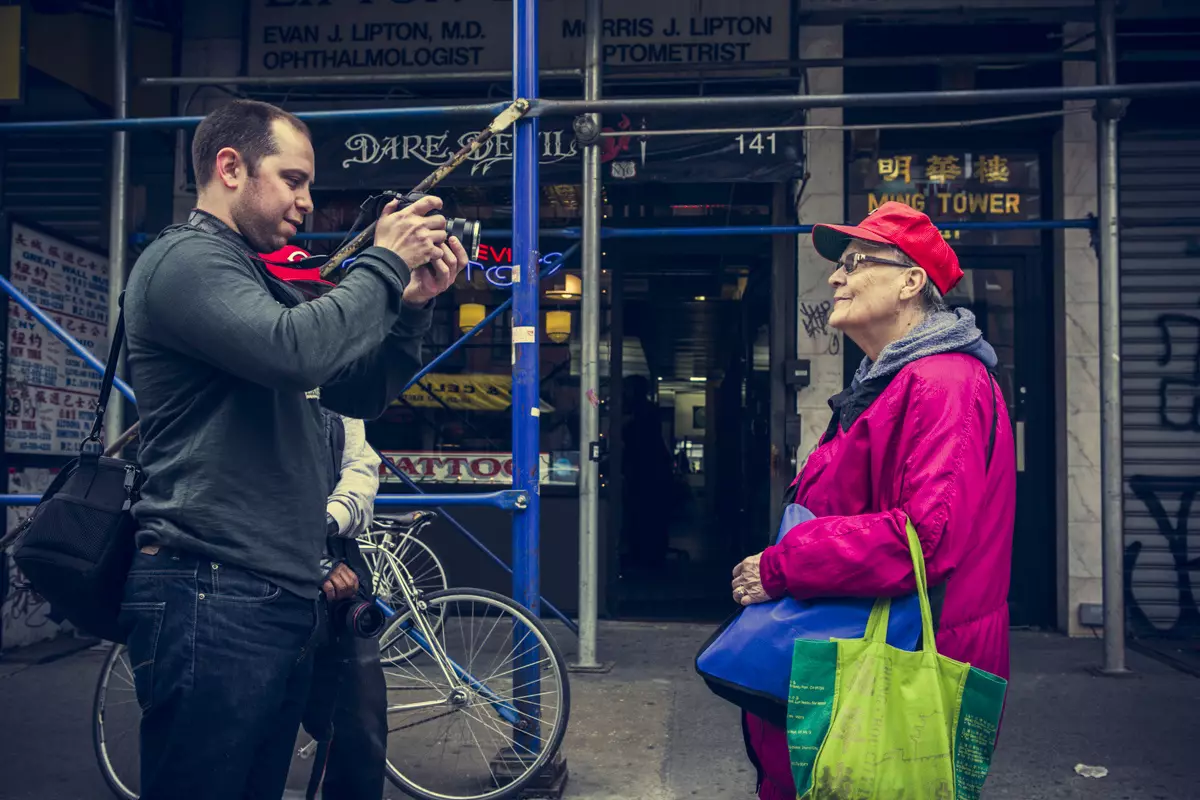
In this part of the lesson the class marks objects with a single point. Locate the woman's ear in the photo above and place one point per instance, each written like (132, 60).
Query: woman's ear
(914, 282)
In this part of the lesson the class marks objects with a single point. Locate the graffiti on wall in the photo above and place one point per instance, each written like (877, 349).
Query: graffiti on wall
(24, 616)
(815, 318)
(1179, 397)
(1159, 567)
(1156, 492)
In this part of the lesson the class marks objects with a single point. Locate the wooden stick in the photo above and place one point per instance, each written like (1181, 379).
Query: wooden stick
(503, 121)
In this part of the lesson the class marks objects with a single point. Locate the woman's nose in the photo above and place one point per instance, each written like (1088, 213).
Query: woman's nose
(837, 278)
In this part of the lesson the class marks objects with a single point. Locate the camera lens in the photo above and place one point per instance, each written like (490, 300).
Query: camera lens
(365, 619)
(467, 231)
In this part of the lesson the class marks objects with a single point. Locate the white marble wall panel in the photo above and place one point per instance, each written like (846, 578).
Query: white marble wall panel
(1078, 355)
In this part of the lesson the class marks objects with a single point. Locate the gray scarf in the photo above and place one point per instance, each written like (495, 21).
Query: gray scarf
(944, 332)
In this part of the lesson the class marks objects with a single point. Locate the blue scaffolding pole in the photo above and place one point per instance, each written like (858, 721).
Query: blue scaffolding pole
(525, 407)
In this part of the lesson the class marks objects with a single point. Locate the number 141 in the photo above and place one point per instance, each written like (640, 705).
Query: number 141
(756, 144)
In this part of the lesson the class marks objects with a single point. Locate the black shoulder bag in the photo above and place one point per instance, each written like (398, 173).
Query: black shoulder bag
(76, 548)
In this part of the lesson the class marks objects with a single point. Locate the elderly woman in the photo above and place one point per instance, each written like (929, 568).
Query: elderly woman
(922, 434)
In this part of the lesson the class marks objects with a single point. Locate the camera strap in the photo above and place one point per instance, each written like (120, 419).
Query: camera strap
(368, 212)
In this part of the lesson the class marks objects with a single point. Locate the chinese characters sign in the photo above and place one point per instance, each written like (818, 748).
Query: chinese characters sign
(961, 186)
(50, 393)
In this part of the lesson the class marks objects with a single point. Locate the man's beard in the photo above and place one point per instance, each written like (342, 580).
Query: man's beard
(262, 234)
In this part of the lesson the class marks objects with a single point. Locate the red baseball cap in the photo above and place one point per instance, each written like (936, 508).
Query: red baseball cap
(904, 227)
(284, 264)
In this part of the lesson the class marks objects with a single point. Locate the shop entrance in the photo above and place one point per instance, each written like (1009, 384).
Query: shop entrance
(1007, 292)
(688, 474)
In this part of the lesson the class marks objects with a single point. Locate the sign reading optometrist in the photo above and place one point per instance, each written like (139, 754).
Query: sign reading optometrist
(324, 37)
(986, 186)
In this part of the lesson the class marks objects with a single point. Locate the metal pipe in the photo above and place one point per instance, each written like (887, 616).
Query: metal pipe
(118, 199)
(760, 230)
(1111, 514)
(52, 326)
(589, 357)
(488, 110)
(525, 324)
(395, 470)
(542, 108)
(341, 80)
(883, 126)
(507, 500)
(1047, 94)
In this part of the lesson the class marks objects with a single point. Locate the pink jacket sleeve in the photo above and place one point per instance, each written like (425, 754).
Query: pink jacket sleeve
(939, 486)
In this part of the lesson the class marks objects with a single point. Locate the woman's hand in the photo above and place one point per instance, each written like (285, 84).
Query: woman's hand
(747, 584)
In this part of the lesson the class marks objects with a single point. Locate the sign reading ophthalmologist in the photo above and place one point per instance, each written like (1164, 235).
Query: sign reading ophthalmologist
(322, 37)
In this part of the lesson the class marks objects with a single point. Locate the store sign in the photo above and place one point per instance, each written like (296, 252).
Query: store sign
(495, 264)
(399, 153)
(489, 468)
(982, 186)
(51, 393)
(470, 392)
(330, 37)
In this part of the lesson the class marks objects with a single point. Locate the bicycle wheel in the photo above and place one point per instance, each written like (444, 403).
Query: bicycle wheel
(461, 682)
(116, 721)
(428, 576)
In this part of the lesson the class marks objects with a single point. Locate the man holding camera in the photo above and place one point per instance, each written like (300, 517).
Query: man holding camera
(222, 600)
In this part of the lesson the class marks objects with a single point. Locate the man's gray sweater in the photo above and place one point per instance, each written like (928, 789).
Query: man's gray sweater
(221, 355)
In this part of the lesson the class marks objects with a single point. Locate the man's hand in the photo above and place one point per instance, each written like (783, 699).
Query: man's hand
(410, 234)
(439, 275)
(747, 585)
(341, 584)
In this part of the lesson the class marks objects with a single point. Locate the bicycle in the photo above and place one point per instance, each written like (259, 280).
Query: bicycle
(417, 639)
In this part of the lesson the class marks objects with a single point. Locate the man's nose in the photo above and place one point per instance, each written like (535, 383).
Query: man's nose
(304, 202)
(837, 278)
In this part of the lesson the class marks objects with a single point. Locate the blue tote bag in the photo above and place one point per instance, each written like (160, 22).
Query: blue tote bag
(748, 660)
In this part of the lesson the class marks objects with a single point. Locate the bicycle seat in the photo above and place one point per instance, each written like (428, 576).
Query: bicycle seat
(409, 520)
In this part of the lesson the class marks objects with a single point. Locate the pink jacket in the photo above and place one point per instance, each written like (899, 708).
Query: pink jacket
(917, 450)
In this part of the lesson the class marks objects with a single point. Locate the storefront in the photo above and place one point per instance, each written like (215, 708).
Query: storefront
(687, 318)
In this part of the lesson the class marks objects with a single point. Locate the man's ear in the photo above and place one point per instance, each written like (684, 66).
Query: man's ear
(230, 171)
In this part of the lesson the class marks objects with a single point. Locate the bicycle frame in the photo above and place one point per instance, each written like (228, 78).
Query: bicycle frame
(424, 636)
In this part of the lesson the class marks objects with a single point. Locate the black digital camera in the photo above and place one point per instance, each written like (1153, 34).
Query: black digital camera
(468, 231)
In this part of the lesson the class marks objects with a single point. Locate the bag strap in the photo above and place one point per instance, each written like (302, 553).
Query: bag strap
(110, 374)
(877, 623)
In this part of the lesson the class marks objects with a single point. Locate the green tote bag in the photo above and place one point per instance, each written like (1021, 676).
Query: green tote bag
(867, 720)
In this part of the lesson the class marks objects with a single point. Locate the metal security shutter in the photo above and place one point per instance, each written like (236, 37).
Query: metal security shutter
(1160, 377)
(59, 182)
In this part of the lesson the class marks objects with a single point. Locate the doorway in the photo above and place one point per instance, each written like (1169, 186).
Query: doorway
(1007, 291)
(689, 474)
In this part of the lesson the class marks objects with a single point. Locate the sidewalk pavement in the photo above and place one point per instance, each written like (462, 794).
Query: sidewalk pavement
(650, 729)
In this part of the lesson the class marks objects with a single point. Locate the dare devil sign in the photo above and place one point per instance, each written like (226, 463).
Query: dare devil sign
(401, 152)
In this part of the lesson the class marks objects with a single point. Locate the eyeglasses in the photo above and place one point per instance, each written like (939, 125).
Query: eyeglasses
(858, 259)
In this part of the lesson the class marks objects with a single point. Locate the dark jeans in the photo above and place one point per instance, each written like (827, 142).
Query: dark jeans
(222, 662)
(349, 689)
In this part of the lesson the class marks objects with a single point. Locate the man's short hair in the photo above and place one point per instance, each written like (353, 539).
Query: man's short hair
(244, 125)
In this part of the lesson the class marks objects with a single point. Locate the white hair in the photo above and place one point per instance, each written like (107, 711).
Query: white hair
(931, 298)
